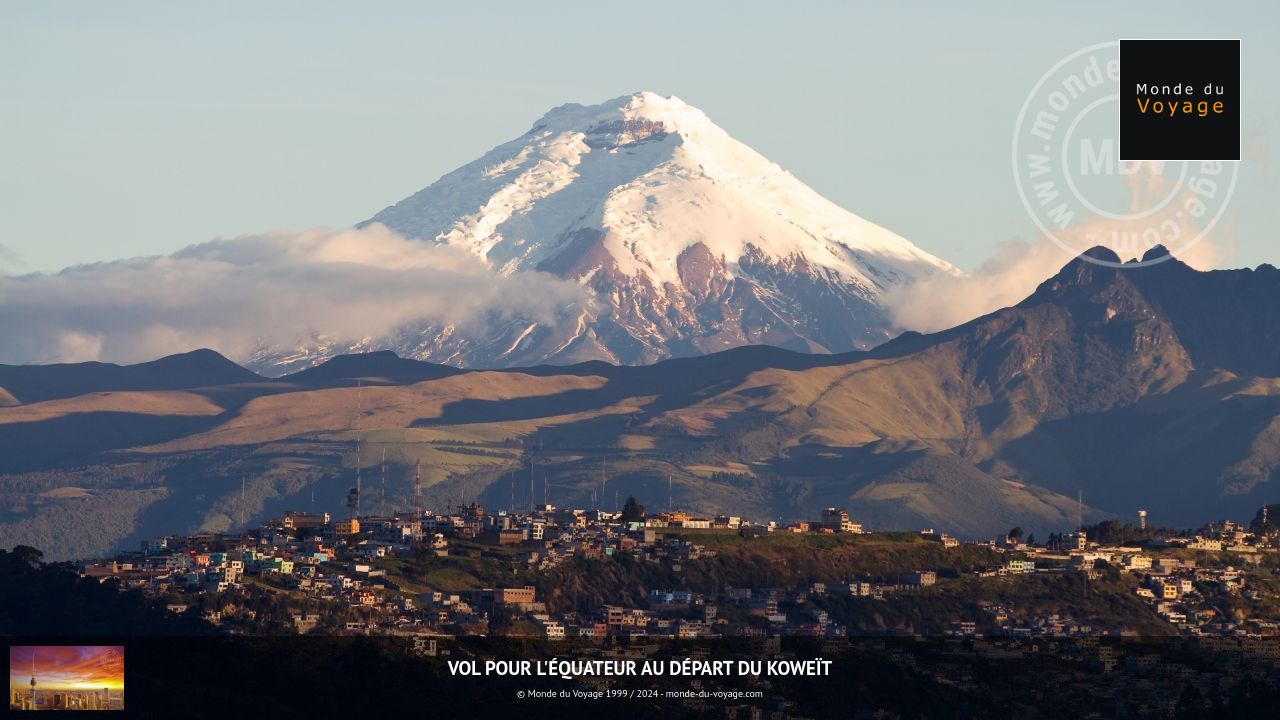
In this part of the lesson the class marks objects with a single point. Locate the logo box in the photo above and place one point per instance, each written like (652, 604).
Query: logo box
(1179, 99)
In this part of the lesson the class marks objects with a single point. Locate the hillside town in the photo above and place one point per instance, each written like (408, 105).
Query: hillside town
(355, 575)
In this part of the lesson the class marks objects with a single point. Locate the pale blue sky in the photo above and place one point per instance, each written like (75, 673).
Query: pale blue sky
(133, 128)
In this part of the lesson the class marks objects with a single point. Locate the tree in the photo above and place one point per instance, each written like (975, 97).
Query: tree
(1015, 534)
(1031, 539)
(27, 555)
(632, 511)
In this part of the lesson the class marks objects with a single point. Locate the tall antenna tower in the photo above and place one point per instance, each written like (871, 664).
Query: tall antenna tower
(604, 478)
(668, 492)
(33, 678)
(359, 413)
(242, 499)
(417, 489)
(1079, 510)
(382, 500)
(531, 483)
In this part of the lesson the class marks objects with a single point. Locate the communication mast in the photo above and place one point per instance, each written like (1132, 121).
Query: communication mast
(359, 412)
(417, 489)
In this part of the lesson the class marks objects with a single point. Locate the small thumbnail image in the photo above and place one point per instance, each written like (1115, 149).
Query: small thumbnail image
(66, 677)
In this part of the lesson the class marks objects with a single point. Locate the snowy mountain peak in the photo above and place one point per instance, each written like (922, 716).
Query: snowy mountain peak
(631, 118)
(652, 176)
(687, 241)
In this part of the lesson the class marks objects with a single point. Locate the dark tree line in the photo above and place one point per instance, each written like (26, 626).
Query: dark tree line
(39, 598)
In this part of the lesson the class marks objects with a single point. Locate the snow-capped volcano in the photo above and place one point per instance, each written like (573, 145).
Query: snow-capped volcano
(687, 240)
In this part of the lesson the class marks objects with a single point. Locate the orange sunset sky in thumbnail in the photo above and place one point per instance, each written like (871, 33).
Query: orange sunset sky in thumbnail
(67, 667)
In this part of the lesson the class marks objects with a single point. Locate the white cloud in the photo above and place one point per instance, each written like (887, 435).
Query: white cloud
(944, 301)
(277, 289)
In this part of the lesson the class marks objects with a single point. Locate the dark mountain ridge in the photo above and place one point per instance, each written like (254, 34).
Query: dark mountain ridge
(1154, 387)
(194, 369)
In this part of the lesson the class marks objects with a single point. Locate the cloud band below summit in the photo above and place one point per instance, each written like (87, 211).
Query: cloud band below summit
(277, 290)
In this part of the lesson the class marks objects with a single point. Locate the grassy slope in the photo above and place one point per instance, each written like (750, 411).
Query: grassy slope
(781, 560)
(930, 438)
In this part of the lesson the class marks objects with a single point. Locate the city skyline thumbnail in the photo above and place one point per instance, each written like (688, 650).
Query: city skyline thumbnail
(66, 667)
